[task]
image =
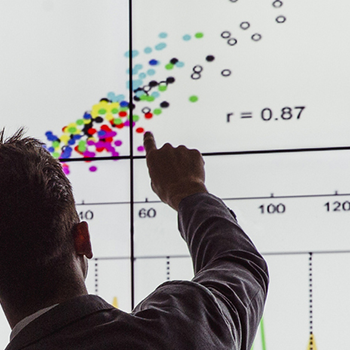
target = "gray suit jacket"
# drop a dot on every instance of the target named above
(219, 309)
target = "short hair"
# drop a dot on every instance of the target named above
(37, 216)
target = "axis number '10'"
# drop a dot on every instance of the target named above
(273, 209)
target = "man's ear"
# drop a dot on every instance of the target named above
(81, 236)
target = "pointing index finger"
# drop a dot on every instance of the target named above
(149, 142)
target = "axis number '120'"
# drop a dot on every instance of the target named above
(338, 206)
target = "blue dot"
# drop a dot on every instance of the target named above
(151, 72)
(77, 137)
(148, 50)
(87, 115)
(153, 62)
(160, 46)
(179, 64)
(51, 149)
(124, 104)
(71, 142)
(101, 133)
(186, 37)
(142, 75)
(163, 35)
(155, 94)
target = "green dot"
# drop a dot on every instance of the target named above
(118, 121)
(102, 111)
(199, 35)
(72, 130)
(135, 118)
(169, 66)
(157, 111)
(194, 98)
(82, 146)
(55, 144)
(124, 109)
(115, 110)
(150, 98)
(80, 121)
(162, 88)
(143, 97)
(56, 155)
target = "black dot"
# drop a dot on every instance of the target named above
(105, 99)
(174, 61)
(210, 58)
(98, 120)
(164, 104)
(153, 83)
(170, 80)
(137, 99)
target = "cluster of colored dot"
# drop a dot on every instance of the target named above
(97, 131)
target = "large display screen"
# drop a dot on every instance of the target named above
(260, 87)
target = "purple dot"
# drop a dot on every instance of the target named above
(66, 170)
(90, 142)
(140, 148)
(118, 143)
(93, 169)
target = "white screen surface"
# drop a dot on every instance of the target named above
(264, 78)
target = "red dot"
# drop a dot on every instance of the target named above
(105, 128)
(148, 115)
(140, 130)
(109, 139)
(91, 131)
(99, 149)
(120, 126)
(123, 114)
(64, 128)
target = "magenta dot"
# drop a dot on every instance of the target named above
(90, 142)
(66, 170)
(118, 143)
(93, 169)
(140, 148)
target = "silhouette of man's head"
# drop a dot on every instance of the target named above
(38, 225)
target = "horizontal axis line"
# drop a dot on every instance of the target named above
(292, 150)
(321, 252)
(228, 199)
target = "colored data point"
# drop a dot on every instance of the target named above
(210, 58)
(115, 302)
(193, 98)
(199, 35)
(312, 343)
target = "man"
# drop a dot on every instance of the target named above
(44, 250)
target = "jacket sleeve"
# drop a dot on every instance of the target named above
(225, 262)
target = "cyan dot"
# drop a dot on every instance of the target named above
(180, 64)
(160, 46)
(186, 37)
(148, 50)
(142, 75)
(138, 66)
(151, 72)
(134, 53)
(163, 35)
(155, 94)
(139, 93)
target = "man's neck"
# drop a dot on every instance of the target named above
(14, 315)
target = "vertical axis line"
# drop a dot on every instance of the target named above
(131, 143)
